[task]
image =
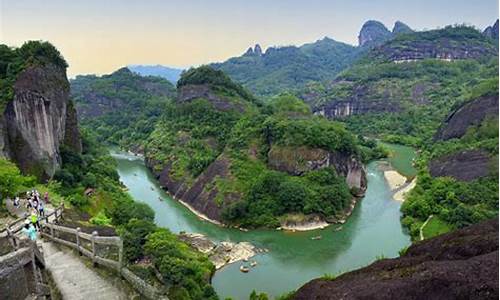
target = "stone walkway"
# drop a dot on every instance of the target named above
(74, 279)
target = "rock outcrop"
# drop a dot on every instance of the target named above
(401, 28)
(373, 33)
(191, 92)
(96, 96)
(459, 265)
(39, 120)
(297, 161)
(200, 195)
(464, 166)
(469, 114)
(492, 31)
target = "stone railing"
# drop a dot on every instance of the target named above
(88, 244)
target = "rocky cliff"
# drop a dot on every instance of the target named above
(492, 31)
(299, 160)
(458, 265)
(39, 120)
(470, 114)
(121, 90)
(373, 33)
(466, 165)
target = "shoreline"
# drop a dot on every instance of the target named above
(394, 179)
(305, 226)
(197, 213)
(400, 195)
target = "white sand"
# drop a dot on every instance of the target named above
(306, 226)
(401, 194)
(394, 179)
(199, 214)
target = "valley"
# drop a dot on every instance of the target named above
(293, 258)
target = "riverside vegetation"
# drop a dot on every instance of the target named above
(257, 162)
(184, 271)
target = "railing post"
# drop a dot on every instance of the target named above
(120, 255)
(52, 232)
(11, 238)
(78, 240)
(94, 252)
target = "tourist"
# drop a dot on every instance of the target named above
(34, 220)
(29, 204)
(29, 231)
(46, 197)
(41, 209)
(16, 202)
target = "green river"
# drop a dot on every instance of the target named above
(372, 231)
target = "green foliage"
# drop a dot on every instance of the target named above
(435, 227)
(290, 68)
(11, 180)
(287, 103)
(15, 60)
(122, 107)
(216, 79)
(100, 219)
(260, 296)
(187, 270)
(134, 234)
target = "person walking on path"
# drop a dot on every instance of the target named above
(41, 210)
(34, 220)
(29, 231)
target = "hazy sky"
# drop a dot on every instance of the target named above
(99, 36)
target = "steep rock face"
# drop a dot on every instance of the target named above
(373, 33)
(39, 120)
(464, 166)
(492, 31)
(201, 194)
(469, 114)
(297, 161)
(401, 28)
(459, 265)
(97, 96)
(191, 92)
(450, 43)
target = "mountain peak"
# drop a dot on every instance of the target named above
(492, 31)
(400, 27)
(373, 33)
(256, 50)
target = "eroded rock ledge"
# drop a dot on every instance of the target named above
(220, 254)
(459, 265)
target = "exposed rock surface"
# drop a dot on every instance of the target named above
(296, 161)
(457, 265)
(447, 44)
(201, 194)
(191, 92)
(220, 254)
(465, 165)
(469, 114)
(373, 33)
(492, 31)
(38, 120)
(96, 96)
(401, 28)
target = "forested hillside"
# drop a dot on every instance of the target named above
(404, 88)
(240, 162)
(120, 108)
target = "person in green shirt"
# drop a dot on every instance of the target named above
(34, 221)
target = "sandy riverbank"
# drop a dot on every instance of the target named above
(305, 226)
(394, 179)
(198, 214)
(401, 194)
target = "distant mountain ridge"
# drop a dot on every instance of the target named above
(277, 69)
(171, 74)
